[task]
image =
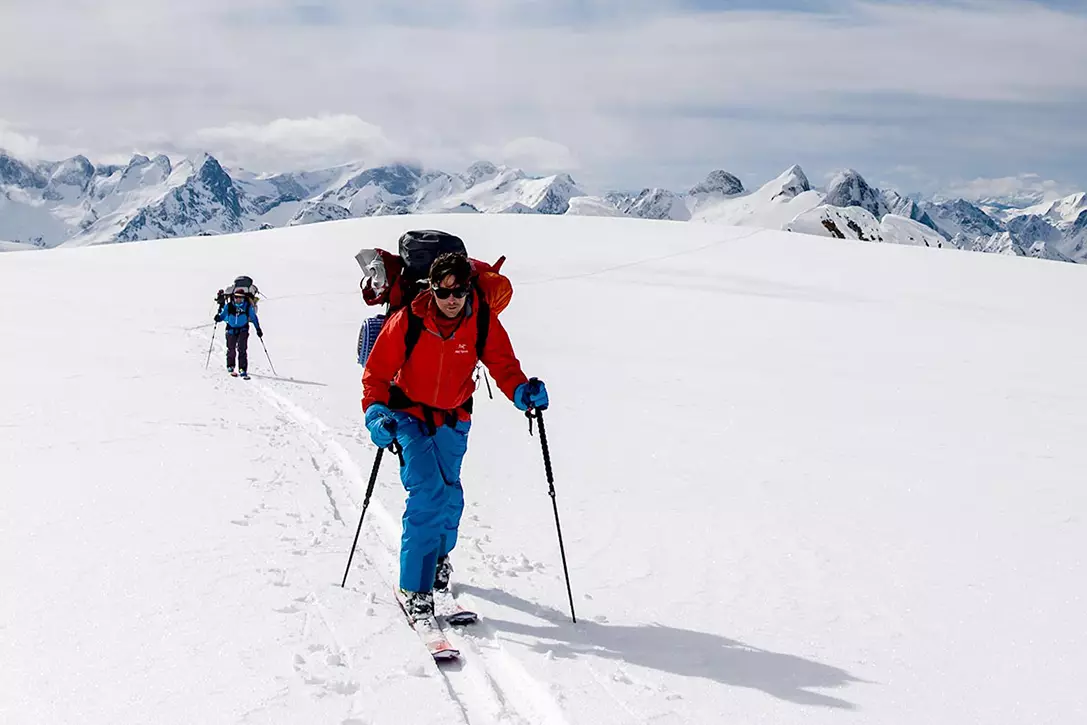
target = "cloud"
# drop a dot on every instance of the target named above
(1021, 185)
(18, 144)
(637, 92)
(532, 153)
(287, 142)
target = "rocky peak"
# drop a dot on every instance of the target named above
(792, 183)
(719, 182)
(848, 188)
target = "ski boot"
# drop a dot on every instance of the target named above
(419, 606)
(442, 574)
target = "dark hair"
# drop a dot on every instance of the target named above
(450, 263)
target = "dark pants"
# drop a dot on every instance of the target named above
(237, 340)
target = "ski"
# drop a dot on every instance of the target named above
(430, 633)
(448, 609)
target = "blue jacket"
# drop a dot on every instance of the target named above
(239, 316)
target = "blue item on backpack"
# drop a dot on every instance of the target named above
(368, 336)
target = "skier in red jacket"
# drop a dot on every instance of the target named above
(417, 390)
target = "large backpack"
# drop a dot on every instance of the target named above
(242, 283)
(396, 280)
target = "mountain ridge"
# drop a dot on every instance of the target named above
(74, 202)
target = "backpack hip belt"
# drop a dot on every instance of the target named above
(399, 400)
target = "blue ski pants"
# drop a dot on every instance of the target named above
(431, 476)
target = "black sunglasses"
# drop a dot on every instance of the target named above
(443, 293)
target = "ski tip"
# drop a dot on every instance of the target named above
(446, 655)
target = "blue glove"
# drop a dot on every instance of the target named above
(381, 423)
(532, 394)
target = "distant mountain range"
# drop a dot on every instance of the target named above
(75, 203)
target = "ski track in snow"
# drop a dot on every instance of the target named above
(488, 685)
(321, 660)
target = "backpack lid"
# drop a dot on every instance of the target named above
(420, 247)
(244, 284)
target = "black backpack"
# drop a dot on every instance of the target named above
(420, 247)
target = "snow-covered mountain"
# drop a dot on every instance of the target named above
(904, 206)
(655, 204)
(960, 216)
(854, 222)
(1062, 212)
(74, 202)
(773, 205)
(593, 206)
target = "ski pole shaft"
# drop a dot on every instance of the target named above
(538, 415)
(211, 345)
(268, 356)
(365, 504)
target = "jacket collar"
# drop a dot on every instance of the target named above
(424, 306)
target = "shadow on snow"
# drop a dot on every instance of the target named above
(679, 651)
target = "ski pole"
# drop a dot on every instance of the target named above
(537, 413)
(365, 504)
(268, 356)
(210, 346)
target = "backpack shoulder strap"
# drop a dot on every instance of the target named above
(411, 335)
(483, 315)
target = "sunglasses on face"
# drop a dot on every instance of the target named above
(443, 293)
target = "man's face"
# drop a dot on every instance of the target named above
(452, 305)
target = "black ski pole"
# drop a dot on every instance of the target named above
(211, 345)
(261, 338)
(537, 413)
(365, 504)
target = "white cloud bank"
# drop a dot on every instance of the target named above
(439, 80)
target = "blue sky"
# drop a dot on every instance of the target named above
(920, 96)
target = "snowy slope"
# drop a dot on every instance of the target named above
(592, 206)
(771, 206)
(784, 503)
(857, 223)
(850, 222)
(16, 246)
(903, 230)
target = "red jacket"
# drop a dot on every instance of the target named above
(439, 372)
